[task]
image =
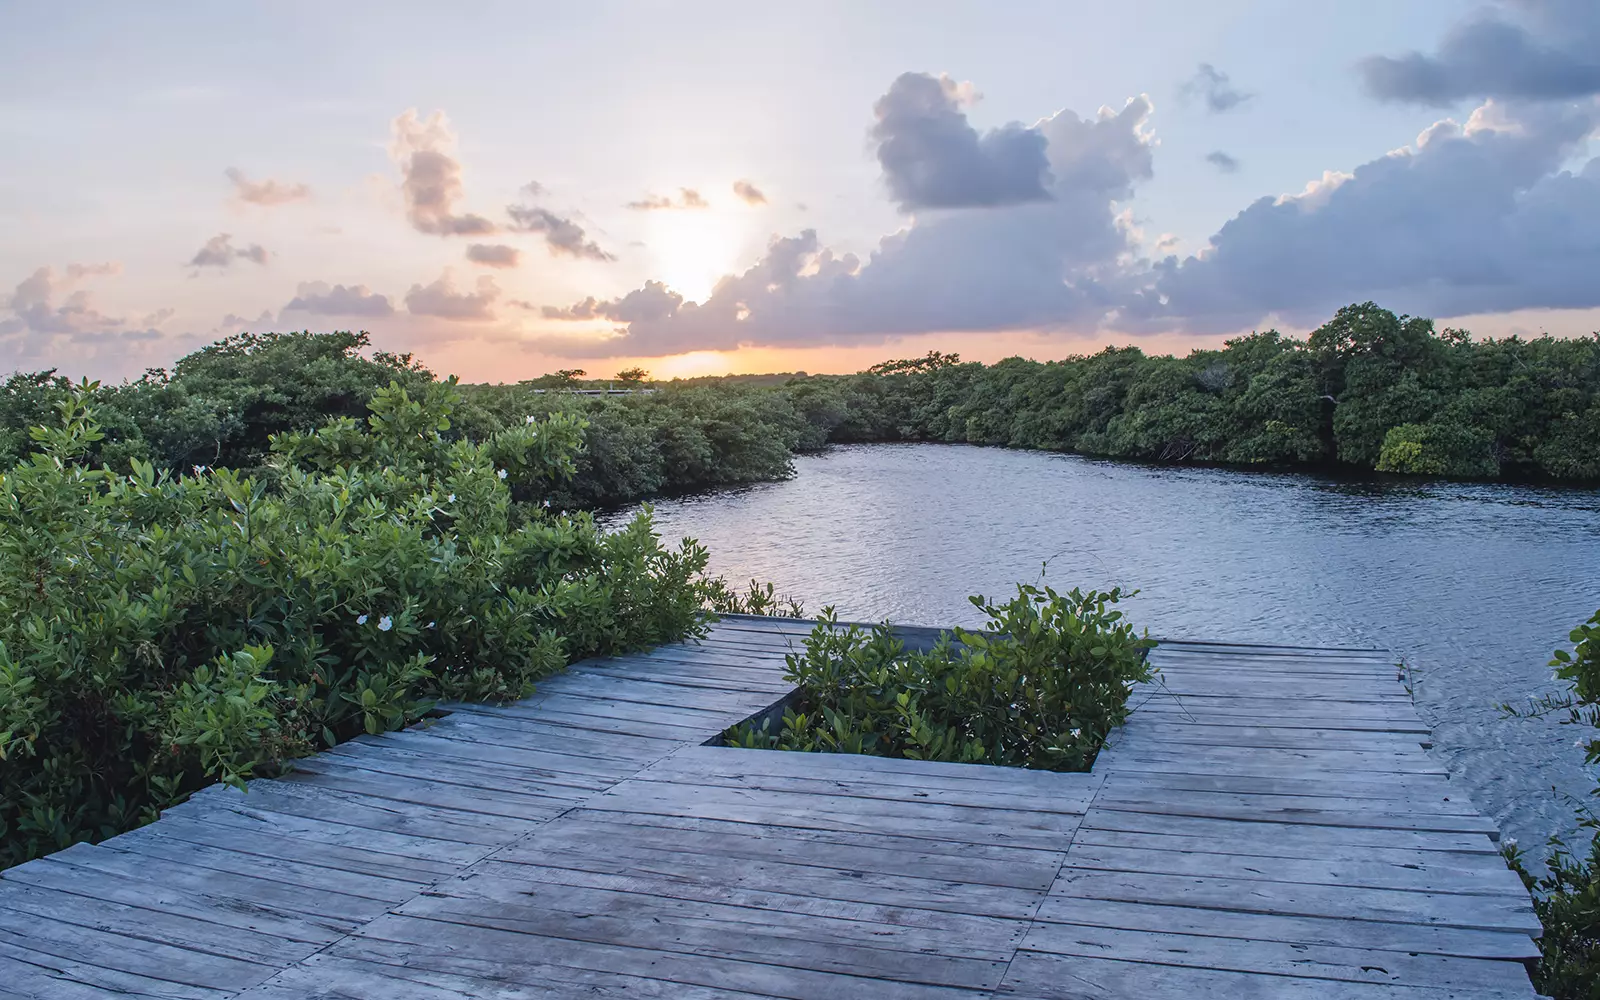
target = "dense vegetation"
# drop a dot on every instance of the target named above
(1041, 685)
(160, 630)
(1567, 893)
(1368, 391)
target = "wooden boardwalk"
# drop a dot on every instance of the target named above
(1268, 824)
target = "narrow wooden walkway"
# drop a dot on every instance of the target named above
(1268, 824)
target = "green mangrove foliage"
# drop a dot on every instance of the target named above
(1368, 390)
(161, 630)
(1567, 893)
(1041, 685)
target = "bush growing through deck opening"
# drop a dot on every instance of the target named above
(1041, 686)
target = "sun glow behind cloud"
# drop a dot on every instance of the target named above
(691, 250)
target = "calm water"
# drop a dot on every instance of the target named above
(1472, 585)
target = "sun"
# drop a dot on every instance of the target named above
(692, 249)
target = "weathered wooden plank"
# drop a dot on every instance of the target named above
(1015, 858)
(1045, 831)
(456, 742)
(672, 872)
(1266, 844)
(445, 799)
(73, 893)
(1433, 876)
(1297, 899)
(1400, 787)
(1315, 931)
(1168, 733)
(688, 968)
(865, 767)
(1072, 801)
(195, 935)
(383, 970)
(1296, 810)
(849, 853)
(243, 887)
(971, 955)
(1277, 958)
(390, 757)
(310, 797)
(1038, 976)
(1285, 836)
(47, 959)
(1284, 761)
(264, 842)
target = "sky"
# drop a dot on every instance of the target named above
(704, 187)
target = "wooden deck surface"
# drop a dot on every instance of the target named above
(1268, 824)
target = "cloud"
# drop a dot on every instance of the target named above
(933, 158)
(268, 192)
(1474, 218)
(1211, 86)
(655, 301)
(233, 323)
(431, 177)
(1222, 161)
(51, 316)
(318, 298)
(749, 193)
(441, 299)
(1039, 263)
(687, 198)
(219, 252)
(1548, 50)
(562, 235)
(493, 254)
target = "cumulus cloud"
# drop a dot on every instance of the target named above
(654, 301)
(268, 192)
(233, 323)
(493, 255)
(1222, 161)
(749, 193)
(933, 158)
(1040, 263)
(441, 299)
(219, 252)
(1475, 217)
(1212, 87)
(318, 298)
(562, 234)
(687, 198)
(1531, 49)
(51, 313)
(430, 177)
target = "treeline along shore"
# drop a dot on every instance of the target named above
(1367, 391)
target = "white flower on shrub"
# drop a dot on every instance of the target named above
(199, 470)
(501, 473)
(450, 499)
(528, 419)
(361, 619)
(385, 623)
